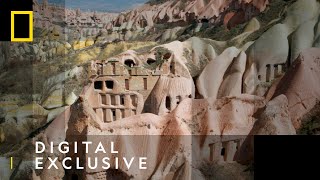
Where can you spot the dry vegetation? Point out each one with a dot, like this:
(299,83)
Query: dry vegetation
(117,48)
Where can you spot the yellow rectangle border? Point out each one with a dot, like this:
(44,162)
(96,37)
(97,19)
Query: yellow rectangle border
(30,39)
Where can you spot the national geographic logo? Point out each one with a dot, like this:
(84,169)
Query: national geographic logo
(16,20)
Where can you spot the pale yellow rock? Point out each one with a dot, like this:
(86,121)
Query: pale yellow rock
(246,46)
(300,12)
(89,42)
(71,98)
(82,43)
(61,50)
(211,77)
(79,44)
(250,79)
(8,106)
(75,45)
(55,99)
(87,55)
(54,34)
(238,40)
(270,48)
(55,112)
(116,48)
(232,83)
(252,26)
(199,48)
(302,38)
(67,45)
(30,110)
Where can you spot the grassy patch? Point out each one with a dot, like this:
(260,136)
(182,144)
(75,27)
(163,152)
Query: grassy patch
(160,54)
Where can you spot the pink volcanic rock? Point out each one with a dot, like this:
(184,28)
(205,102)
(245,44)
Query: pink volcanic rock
(170,11)
(237,19)
(168,93)
(232,83)
(210,79)
(301,84)
(227,18)
(225,116)
(56,131)
(259,4)
(273,119)
(146,135)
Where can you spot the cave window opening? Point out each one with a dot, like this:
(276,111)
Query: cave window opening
(113,68)
(109,84)
(172,68)
(145,83)
(259,77)
(167,56)
(103,99)
(268,75)
(113,114)
(129,63)
(134,112)
(223,151)
(113,100)
(237,147)
(98,85)
(104,112)
(276,70)
(204,20)
(143,23)
(178,100)
(121,100)
(127,84)
(150,61)
(122,113)
(134,100)
(168,103)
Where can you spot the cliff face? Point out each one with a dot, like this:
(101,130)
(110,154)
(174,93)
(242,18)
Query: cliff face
(186,11)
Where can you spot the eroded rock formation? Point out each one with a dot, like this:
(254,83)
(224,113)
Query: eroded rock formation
(300,85)
(176,11)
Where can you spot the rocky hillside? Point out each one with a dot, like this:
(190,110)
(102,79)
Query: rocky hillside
(166,20)
(167,12)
